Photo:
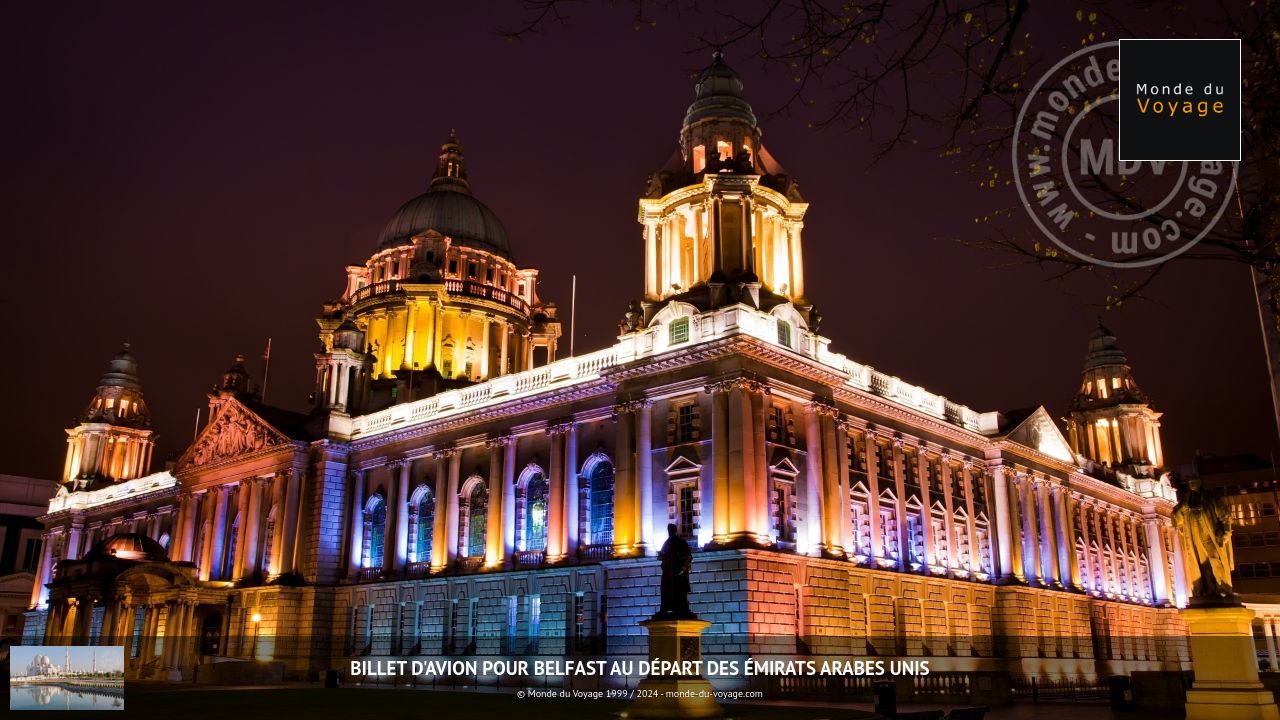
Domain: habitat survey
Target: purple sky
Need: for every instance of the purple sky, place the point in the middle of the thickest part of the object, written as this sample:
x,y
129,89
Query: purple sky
x,y
194,181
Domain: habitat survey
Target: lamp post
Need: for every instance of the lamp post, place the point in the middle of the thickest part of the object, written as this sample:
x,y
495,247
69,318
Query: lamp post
x,y
256,618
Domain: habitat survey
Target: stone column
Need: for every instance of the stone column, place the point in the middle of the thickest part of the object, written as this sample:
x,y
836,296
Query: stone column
x,y
392,521
1004,538
493,535
644,477
1116,564
293,478
1049,551
626,512
242,512
1068,563
573,491
1268,629
402,515
873,493
815,528
1157,561
189,525
972,482
451,498
945,477
508,500
556,535
274,564
219,539
1030,535
900,489
719,462
930,556
439,534
252,528
44,572
832,529
745,491
355,528
844,483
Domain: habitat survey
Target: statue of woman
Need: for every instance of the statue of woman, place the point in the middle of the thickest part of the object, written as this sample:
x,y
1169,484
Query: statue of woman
x,y
1203,521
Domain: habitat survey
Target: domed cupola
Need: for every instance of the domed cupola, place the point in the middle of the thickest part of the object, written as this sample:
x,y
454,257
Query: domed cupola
x,y
718,94
1112,422
448,208
113,440
722,219
440,303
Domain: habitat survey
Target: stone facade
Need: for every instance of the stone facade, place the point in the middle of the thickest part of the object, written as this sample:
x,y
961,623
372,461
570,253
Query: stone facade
x,y
516,507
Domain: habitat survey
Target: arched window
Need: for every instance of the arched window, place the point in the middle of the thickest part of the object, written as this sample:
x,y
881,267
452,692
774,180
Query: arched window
x,y
599,476
422,523
535,512
375,531
477,518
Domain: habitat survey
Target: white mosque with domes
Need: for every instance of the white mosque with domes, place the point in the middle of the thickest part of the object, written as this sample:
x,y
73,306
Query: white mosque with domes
x,y
460,487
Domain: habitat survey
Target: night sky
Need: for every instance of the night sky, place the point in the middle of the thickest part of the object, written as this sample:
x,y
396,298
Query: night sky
x,y
195,180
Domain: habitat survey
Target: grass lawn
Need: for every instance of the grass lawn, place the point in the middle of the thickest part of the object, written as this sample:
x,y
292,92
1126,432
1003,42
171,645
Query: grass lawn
x,y
165,701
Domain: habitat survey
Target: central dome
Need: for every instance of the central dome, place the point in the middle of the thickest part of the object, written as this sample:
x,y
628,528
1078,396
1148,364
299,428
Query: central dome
x,y
449,208
449,212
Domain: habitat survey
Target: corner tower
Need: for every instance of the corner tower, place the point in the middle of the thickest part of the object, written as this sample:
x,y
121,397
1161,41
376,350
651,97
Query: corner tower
x,y
441,303
722,219
113,441
1112,422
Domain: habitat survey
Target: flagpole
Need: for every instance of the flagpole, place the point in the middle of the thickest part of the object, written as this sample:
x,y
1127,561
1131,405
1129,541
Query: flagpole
x,y
573,312
266,370
196,432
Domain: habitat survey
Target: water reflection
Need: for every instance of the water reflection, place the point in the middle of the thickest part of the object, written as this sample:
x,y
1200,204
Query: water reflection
x,y
64,697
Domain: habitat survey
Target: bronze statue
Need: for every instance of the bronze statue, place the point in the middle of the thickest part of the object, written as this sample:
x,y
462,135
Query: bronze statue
x,y
677,559
1203,521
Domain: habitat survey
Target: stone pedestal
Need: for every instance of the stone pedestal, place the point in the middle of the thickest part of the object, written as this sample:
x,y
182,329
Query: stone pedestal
x,y
667,696
1226,667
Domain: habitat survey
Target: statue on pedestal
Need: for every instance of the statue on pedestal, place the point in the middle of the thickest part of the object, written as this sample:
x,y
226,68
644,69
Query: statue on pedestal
x,y
677,560
1203,521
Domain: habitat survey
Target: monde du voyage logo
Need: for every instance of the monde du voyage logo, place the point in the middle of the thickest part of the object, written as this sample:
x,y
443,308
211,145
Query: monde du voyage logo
x,y
1125,153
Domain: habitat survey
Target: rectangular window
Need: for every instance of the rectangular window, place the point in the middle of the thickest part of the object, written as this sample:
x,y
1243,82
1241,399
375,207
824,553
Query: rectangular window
x,y
784,333
687,512
579,621
453,267
535,623
488,275
473,625
724,149
687,423
471,270
679,331
699,158
513,628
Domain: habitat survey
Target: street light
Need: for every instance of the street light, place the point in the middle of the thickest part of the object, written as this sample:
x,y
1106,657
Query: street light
x,y
256,618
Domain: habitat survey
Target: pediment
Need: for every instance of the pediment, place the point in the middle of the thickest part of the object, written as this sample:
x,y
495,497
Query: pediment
x,y
1040,432
682,465
235,432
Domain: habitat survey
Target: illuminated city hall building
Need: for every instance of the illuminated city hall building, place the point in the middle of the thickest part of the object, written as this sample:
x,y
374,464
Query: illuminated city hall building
x,y
458,488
